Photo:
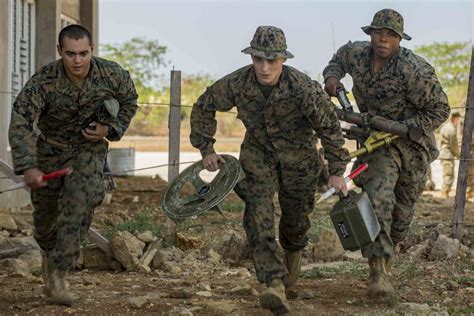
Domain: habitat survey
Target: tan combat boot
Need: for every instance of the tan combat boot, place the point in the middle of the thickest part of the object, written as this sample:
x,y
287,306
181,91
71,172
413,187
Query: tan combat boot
x,y
59,292
470,195
390,260
445,194
273,298
379,285
292,261
45,271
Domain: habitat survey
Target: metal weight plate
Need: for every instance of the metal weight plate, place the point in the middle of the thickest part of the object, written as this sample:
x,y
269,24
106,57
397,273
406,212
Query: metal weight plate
x,y
206,195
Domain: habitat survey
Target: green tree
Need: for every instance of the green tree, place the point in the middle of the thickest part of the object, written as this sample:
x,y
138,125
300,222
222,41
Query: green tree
x,y
452,64
143,59
450,60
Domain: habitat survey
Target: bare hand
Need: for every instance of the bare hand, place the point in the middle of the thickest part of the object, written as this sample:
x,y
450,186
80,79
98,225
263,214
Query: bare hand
x,y
331,85
338,183
95,131
33,178
211,162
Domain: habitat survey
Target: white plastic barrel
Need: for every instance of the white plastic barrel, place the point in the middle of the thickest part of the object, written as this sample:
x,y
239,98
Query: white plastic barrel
x,y
121,159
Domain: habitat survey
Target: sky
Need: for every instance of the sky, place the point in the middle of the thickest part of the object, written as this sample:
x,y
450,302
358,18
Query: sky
x,y
206,37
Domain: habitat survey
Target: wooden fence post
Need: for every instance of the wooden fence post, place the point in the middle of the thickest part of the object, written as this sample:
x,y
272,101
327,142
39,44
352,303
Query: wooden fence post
x,y
174,127
460,200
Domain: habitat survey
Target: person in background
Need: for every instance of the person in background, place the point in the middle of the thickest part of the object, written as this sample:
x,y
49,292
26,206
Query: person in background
x,y
449,151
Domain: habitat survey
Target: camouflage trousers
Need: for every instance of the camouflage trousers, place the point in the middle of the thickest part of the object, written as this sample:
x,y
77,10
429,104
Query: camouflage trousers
x,y
394,181
295,180
470,177
448,174
429,185
64,208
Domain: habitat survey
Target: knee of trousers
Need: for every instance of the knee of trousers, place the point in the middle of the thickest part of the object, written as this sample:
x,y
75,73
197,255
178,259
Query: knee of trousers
x,y
293,234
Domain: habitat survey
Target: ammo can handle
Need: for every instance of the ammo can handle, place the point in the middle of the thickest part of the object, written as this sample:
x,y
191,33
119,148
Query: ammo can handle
x,y
352,175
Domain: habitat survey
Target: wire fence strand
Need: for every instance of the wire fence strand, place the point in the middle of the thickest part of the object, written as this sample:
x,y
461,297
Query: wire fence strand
x,y
121,172
114,173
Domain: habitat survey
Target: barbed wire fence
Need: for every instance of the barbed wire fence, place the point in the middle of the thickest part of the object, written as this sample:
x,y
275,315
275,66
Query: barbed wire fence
x,y
174,125
174,119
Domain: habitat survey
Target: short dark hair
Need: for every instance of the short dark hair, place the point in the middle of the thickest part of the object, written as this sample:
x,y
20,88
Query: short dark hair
x,y
74,31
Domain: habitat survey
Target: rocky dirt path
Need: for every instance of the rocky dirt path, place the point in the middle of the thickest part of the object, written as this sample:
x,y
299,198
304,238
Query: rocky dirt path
x,y
210,272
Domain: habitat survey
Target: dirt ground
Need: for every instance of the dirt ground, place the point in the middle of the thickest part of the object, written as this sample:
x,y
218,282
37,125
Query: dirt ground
x,y
443,285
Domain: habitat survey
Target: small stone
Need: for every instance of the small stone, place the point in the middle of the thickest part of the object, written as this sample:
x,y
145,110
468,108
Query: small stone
x,y
171,268
214,255
451,285
204,293
115,265
107,198
242,290
7,222
439,228
306,294
146,236
413,307
205,287
144,269
179,310
444,247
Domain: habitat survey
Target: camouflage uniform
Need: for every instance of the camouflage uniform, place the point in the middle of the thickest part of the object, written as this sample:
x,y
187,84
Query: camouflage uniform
x,y
449,150
64,208
405,90
278,153
429,185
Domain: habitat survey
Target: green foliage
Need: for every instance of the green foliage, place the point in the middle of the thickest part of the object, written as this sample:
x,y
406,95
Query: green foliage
x,y
460,310
145,60
346,269
141,222
318,226
450,60
410,269
142,58
230,206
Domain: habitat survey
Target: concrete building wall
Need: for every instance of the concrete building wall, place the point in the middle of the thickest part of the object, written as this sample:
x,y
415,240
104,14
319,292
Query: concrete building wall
x,y
48,25
4,95
71,8
20,197
89,17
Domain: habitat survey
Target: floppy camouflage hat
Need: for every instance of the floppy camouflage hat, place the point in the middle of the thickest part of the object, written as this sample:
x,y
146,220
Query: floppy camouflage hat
x,y
268,42
387,19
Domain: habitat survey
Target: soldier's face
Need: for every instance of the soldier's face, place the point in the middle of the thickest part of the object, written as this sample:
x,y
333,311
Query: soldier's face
x,y
385,42
268,71
77,55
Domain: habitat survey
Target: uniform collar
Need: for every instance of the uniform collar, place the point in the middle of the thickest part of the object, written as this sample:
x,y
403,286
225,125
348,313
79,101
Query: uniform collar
x,y
388,69
280,90
64,84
